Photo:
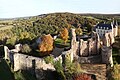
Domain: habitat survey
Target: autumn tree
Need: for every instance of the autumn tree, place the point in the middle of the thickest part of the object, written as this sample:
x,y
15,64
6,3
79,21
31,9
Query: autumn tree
x,y
46,45
64,34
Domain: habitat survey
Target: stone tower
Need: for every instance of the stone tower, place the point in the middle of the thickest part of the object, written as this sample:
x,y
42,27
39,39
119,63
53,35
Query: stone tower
x,y
107,55
74,43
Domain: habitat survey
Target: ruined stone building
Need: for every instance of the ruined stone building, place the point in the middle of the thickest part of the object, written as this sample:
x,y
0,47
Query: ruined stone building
x,y
87,47
84,51
88,51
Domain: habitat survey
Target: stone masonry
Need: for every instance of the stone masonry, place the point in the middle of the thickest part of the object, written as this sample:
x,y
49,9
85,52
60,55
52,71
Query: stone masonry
x,y
83,51
89,47
107,55
108,39
88,51
32,64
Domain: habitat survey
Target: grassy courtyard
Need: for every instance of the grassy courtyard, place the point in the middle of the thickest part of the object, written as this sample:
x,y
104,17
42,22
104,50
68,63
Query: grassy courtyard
x,y
60,43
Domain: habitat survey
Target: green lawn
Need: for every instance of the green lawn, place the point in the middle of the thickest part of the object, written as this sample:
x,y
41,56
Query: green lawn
x,y
60,43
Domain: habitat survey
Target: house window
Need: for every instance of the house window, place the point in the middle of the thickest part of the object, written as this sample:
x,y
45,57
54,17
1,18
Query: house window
x,y
107,28
104,28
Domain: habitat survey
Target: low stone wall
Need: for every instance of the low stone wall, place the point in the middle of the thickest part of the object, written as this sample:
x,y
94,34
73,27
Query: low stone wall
x,y
90,59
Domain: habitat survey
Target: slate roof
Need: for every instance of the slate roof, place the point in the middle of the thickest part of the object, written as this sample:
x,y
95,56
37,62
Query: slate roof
x,y
104,26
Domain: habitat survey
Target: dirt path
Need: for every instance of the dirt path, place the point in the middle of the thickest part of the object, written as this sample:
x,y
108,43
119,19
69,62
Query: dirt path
x,y
97,69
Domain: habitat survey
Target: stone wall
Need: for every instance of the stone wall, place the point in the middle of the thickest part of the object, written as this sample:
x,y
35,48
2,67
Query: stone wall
x,y
36,66
90,59
91,46
108,39
88,51
107,55
74,44
33,64
6,51
84,50
88,48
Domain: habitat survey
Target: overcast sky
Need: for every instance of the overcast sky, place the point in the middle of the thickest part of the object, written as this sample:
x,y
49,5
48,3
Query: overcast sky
x,y
21,8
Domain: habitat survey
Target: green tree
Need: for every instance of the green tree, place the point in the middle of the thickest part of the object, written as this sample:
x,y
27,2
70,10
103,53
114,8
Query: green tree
x,y
11,41
26,48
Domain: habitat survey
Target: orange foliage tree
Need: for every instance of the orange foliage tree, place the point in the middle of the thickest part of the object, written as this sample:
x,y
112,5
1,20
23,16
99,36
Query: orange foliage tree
x,y
64,34
46,44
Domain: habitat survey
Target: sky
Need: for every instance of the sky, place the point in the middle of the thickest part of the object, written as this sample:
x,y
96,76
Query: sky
x,y
22,8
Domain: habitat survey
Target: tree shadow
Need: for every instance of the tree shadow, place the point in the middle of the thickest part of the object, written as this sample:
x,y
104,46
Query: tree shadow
x,y
47,75
25,41
5,71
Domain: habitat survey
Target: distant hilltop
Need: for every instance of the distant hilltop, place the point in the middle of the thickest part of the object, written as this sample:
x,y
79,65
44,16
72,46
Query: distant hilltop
x,y
82,14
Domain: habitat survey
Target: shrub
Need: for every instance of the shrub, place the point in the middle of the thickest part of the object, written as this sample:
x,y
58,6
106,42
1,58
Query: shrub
x,y
116,72
11,41
26,48
49,59
71,68
59,68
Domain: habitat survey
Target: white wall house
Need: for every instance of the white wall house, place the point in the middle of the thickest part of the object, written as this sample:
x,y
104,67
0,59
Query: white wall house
x,y
103,28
